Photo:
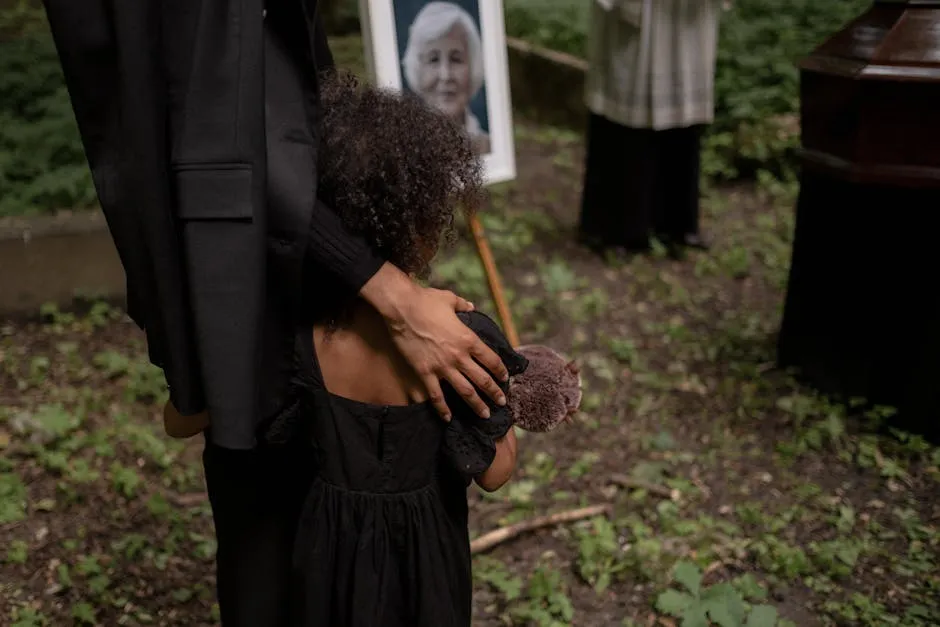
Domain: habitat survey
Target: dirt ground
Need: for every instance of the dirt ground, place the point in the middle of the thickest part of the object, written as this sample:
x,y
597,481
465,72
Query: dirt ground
x,y
733,490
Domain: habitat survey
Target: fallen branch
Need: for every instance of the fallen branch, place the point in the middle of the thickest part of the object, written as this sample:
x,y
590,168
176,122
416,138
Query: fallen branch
x,y
637,484
712,568
189,499
493,538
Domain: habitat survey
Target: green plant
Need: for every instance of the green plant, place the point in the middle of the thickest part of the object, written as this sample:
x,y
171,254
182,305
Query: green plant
x,y
18,552
27,617
546,603
600,558
720,604
495,574
12,498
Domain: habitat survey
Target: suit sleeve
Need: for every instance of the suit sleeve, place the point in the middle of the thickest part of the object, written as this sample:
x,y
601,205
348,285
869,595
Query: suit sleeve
x,y
339,251
332,246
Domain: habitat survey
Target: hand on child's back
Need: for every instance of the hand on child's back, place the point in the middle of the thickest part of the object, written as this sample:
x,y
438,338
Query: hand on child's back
x,y
441,348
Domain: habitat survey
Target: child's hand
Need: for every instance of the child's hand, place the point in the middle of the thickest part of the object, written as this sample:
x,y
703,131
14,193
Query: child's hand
x,y
179,426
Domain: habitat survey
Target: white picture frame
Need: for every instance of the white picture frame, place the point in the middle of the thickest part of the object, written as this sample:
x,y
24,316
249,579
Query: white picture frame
x,y
387,26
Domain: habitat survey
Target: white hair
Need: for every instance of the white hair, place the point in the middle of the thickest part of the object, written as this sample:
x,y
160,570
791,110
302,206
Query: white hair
x,y
432,22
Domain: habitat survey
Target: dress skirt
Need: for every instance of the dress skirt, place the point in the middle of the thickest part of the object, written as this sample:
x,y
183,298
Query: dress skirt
x,y
639,183
383,539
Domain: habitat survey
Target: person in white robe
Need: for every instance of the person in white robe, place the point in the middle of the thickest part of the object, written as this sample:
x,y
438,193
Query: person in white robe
x,y
650,93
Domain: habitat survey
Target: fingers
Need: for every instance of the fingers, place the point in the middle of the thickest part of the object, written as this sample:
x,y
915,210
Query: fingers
x,y
463,305
490,360
466,391
482,379
436,396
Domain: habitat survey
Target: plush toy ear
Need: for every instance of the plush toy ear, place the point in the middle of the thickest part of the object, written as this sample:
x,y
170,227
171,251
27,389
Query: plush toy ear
x,y
547,393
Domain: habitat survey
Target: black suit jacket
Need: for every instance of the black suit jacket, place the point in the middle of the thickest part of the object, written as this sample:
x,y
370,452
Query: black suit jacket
x,y
199,120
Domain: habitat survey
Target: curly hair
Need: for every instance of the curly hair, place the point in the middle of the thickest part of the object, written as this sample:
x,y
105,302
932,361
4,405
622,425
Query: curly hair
x,y
395,170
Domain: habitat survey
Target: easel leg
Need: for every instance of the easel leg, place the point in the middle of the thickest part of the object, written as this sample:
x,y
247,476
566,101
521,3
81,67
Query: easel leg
x,y
492,277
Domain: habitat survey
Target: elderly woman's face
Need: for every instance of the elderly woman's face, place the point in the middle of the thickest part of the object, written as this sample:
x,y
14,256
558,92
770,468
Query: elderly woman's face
x,y
444,78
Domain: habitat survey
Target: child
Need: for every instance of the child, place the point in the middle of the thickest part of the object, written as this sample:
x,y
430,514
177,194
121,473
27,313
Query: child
x,y
383,538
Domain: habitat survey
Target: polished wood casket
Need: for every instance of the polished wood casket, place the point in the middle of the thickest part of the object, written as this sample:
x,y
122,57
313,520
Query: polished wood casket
x,y
862,313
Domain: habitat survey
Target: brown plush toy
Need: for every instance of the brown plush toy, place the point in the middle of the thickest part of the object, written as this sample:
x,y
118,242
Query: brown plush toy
x,y
547,393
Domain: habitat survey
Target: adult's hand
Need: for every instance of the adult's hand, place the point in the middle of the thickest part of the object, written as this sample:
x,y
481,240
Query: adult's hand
x,y
435,342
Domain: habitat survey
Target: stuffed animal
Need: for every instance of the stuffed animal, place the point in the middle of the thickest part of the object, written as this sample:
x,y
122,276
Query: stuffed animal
x,y
547,393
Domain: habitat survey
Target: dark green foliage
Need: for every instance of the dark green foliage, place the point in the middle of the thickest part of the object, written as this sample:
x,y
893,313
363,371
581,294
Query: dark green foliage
x,y
341,17
757,80
556,24
42,165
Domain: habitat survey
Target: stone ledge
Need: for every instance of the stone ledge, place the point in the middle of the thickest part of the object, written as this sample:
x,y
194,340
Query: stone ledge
x,y
25,228
54,259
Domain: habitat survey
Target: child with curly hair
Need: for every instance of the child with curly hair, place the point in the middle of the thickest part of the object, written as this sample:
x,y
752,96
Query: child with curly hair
x,y
383,538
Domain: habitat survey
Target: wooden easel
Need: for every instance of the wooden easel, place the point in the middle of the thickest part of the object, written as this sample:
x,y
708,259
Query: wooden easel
x,y
492,278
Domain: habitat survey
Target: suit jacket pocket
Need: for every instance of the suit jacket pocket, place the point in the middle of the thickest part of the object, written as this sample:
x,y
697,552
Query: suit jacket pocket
x,y
214,192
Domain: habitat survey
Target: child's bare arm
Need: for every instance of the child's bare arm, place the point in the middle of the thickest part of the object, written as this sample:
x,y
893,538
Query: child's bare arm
x,y
500,471
177,425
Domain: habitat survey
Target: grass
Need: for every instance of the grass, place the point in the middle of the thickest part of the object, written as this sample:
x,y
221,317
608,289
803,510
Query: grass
x,y
790,509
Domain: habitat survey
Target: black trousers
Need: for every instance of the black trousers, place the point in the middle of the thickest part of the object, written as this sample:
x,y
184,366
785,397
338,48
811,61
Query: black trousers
x,y
638,183
256,499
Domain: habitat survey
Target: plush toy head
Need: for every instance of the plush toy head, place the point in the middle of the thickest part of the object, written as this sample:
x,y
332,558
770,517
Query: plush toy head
x,y
547,393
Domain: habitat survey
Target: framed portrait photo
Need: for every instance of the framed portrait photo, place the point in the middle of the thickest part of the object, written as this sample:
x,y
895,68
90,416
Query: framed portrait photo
x,y
452,55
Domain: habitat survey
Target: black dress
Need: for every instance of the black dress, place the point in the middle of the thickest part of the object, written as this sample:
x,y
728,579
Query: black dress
x,y
639,182
383,538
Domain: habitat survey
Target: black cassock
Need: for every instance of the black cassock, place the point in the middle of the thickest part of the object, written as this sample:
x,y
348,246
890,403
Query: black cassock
x,y
198,119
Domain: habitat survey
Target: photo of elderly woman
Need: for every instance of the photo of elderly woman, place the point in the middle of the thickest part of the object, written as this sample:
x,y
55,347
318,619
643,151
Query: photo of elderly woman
x,y
441,54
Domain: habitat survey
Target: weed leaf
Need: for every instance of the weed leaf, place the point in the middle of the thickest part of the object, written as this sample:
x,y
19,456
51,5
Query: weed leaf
x,y
762,616
673,602
689,576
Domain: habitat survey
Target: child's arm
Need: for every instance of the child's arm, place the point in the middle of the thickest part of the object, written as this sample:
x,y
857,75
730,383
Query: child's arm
x,y
177,425
500,471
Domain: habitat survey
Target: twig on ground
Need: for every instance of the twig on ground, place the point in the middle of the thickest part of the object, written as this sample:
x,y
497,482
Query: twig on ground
x,y
189,499
711,568
720,565
493,538
637,484
704,489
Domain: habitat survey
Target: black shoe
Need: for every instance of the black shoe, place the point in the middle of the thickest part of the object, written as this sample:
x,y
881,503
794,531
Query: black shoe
x,y
676,245
594,244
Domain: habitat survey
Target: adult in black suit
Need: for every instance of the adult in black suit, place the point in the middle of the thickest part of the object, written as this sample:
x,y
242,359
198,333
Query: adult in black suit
x,y
198,118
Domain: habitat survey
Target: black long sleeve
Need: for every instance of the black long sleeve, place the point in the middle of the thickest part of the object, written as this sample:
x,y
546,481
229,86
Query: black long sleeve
x,y
296,51
331,245
342,253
